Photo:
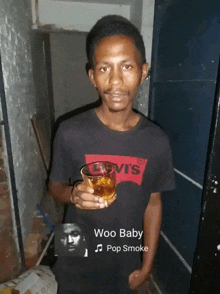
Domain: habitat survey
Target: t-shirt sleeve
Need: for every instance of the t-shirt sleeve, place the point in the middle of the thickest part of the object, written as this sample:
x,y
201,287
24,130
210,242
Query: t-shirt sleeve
x,y
165,179
60,169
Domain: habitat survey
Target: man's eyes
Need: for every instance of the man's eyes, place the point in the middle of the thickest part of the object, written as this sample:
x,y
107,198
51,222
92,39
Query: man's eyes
x,y
75,234
107,69
127,66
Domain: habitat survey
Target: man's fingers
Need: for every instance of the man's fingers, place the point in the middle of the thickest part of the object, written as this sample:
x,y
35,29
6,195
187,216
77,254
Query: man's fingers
x,y
89,197
81,186
84,204
84,200
88,200
83,197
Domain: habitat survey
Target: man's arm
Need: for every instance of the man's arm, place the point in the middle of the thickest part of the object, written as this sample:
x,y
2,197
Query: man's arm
x,y
60,191
152,224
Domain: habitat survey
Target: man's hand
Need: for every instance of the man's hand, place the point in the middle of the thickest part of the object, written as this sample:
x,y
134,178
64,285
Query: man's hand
x,y
137,278
152,225
83,197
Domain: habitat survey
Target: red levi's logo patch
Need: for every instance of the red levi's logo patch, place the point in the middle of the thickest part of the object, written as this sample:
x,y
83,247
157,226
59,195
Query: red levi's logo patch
x,y
128,169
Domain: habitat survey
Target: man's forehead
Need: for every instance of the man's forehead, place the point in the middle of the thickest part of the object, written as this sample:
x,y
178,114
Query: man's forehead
x,y
111,40
67,228
116,45
113,60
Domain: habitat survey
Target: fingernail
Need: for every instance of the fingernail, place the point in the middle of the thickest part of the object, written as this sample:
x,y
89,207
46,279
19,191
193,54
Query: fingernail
x,y
101,200
91,190
106,203
101,205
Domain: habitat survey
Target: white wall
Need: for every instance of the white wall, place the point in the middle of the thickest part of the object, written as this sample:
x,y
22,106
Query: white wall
x,y
82,15
79,16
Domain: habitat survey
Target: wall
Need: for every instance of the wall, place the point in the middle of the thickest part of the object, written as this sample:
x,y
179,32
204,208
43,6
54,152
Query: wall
x,y
71,85
142,99
78,16
147,27
185,63
9,260
20,48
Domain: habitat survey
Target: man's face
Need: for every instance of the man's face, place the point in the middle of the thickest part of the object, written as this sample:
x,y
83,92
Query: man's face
x,y
118,71
72,237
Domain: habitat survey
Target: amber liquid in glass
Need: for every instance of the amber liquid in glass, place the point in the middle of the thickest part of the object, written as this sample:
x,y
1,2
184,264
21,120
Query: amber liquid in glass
x,y
103,186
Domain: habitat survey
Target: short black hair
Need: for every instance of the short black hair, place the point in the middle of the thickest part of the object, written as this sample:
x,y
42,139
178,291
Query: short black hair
x,y
111,25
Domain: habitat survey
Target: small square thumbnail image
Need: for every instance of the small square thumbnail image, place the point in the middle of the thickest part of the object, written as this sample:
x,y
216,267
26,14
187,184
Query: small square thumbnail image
x,y
70,240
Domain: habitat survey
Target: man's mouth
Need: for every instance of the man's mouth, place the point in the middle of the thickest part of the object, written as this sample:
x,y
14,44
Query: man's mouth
x,y
72,248
117,95
116,92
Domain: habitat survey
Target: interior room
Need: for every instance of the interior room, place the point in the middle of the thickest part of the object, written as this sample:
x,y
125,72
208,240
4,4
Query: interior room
x,y
44,80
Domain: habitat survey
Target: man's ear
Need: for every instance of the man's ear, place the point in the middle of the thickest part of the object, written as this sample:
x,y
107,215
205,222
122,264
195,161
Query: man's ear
x,y
145,69
91,76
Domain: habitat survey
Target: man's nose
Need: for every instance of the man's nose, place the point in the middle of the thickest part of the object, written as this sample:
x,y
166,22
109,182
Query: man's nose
x,y
70,239
116,76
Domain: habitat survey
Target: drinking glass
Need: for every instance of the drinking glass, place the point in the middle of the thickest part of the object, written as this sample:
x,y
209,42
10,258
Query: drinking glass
x,y
100,176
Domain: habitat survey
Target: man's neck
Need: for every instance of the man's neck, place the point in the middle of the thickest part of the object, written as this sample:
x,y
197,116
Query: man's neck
x,y
123,120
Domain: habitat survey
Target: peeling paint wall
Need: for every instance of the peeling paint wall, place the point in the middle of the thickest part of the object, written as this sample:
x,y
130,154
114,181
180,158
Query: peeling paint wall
x,y
17,63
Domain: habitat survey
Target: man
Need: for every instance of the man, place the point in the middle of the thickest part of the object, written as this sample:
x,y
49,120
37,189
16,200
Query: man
x,y
141,153
70,240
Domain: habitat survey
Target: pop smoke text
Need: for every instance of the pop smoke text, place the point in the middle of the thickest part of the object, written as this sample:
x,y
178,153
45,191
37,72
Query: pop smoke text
x,y
126,248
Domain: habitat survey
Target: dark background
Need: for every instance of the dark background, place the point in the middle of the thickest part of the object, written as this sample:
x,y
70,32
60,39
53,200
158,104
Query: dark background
x,y
186,48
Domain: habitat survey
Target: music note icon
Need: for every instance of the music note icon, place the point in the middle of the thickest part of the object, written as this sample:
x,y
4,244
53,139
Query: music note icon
x,y
99,248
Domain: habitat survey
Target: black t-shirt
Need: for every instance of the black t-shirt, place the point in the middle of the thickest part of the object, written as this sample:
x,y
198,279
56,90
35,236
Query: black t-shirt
x,y
143,166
